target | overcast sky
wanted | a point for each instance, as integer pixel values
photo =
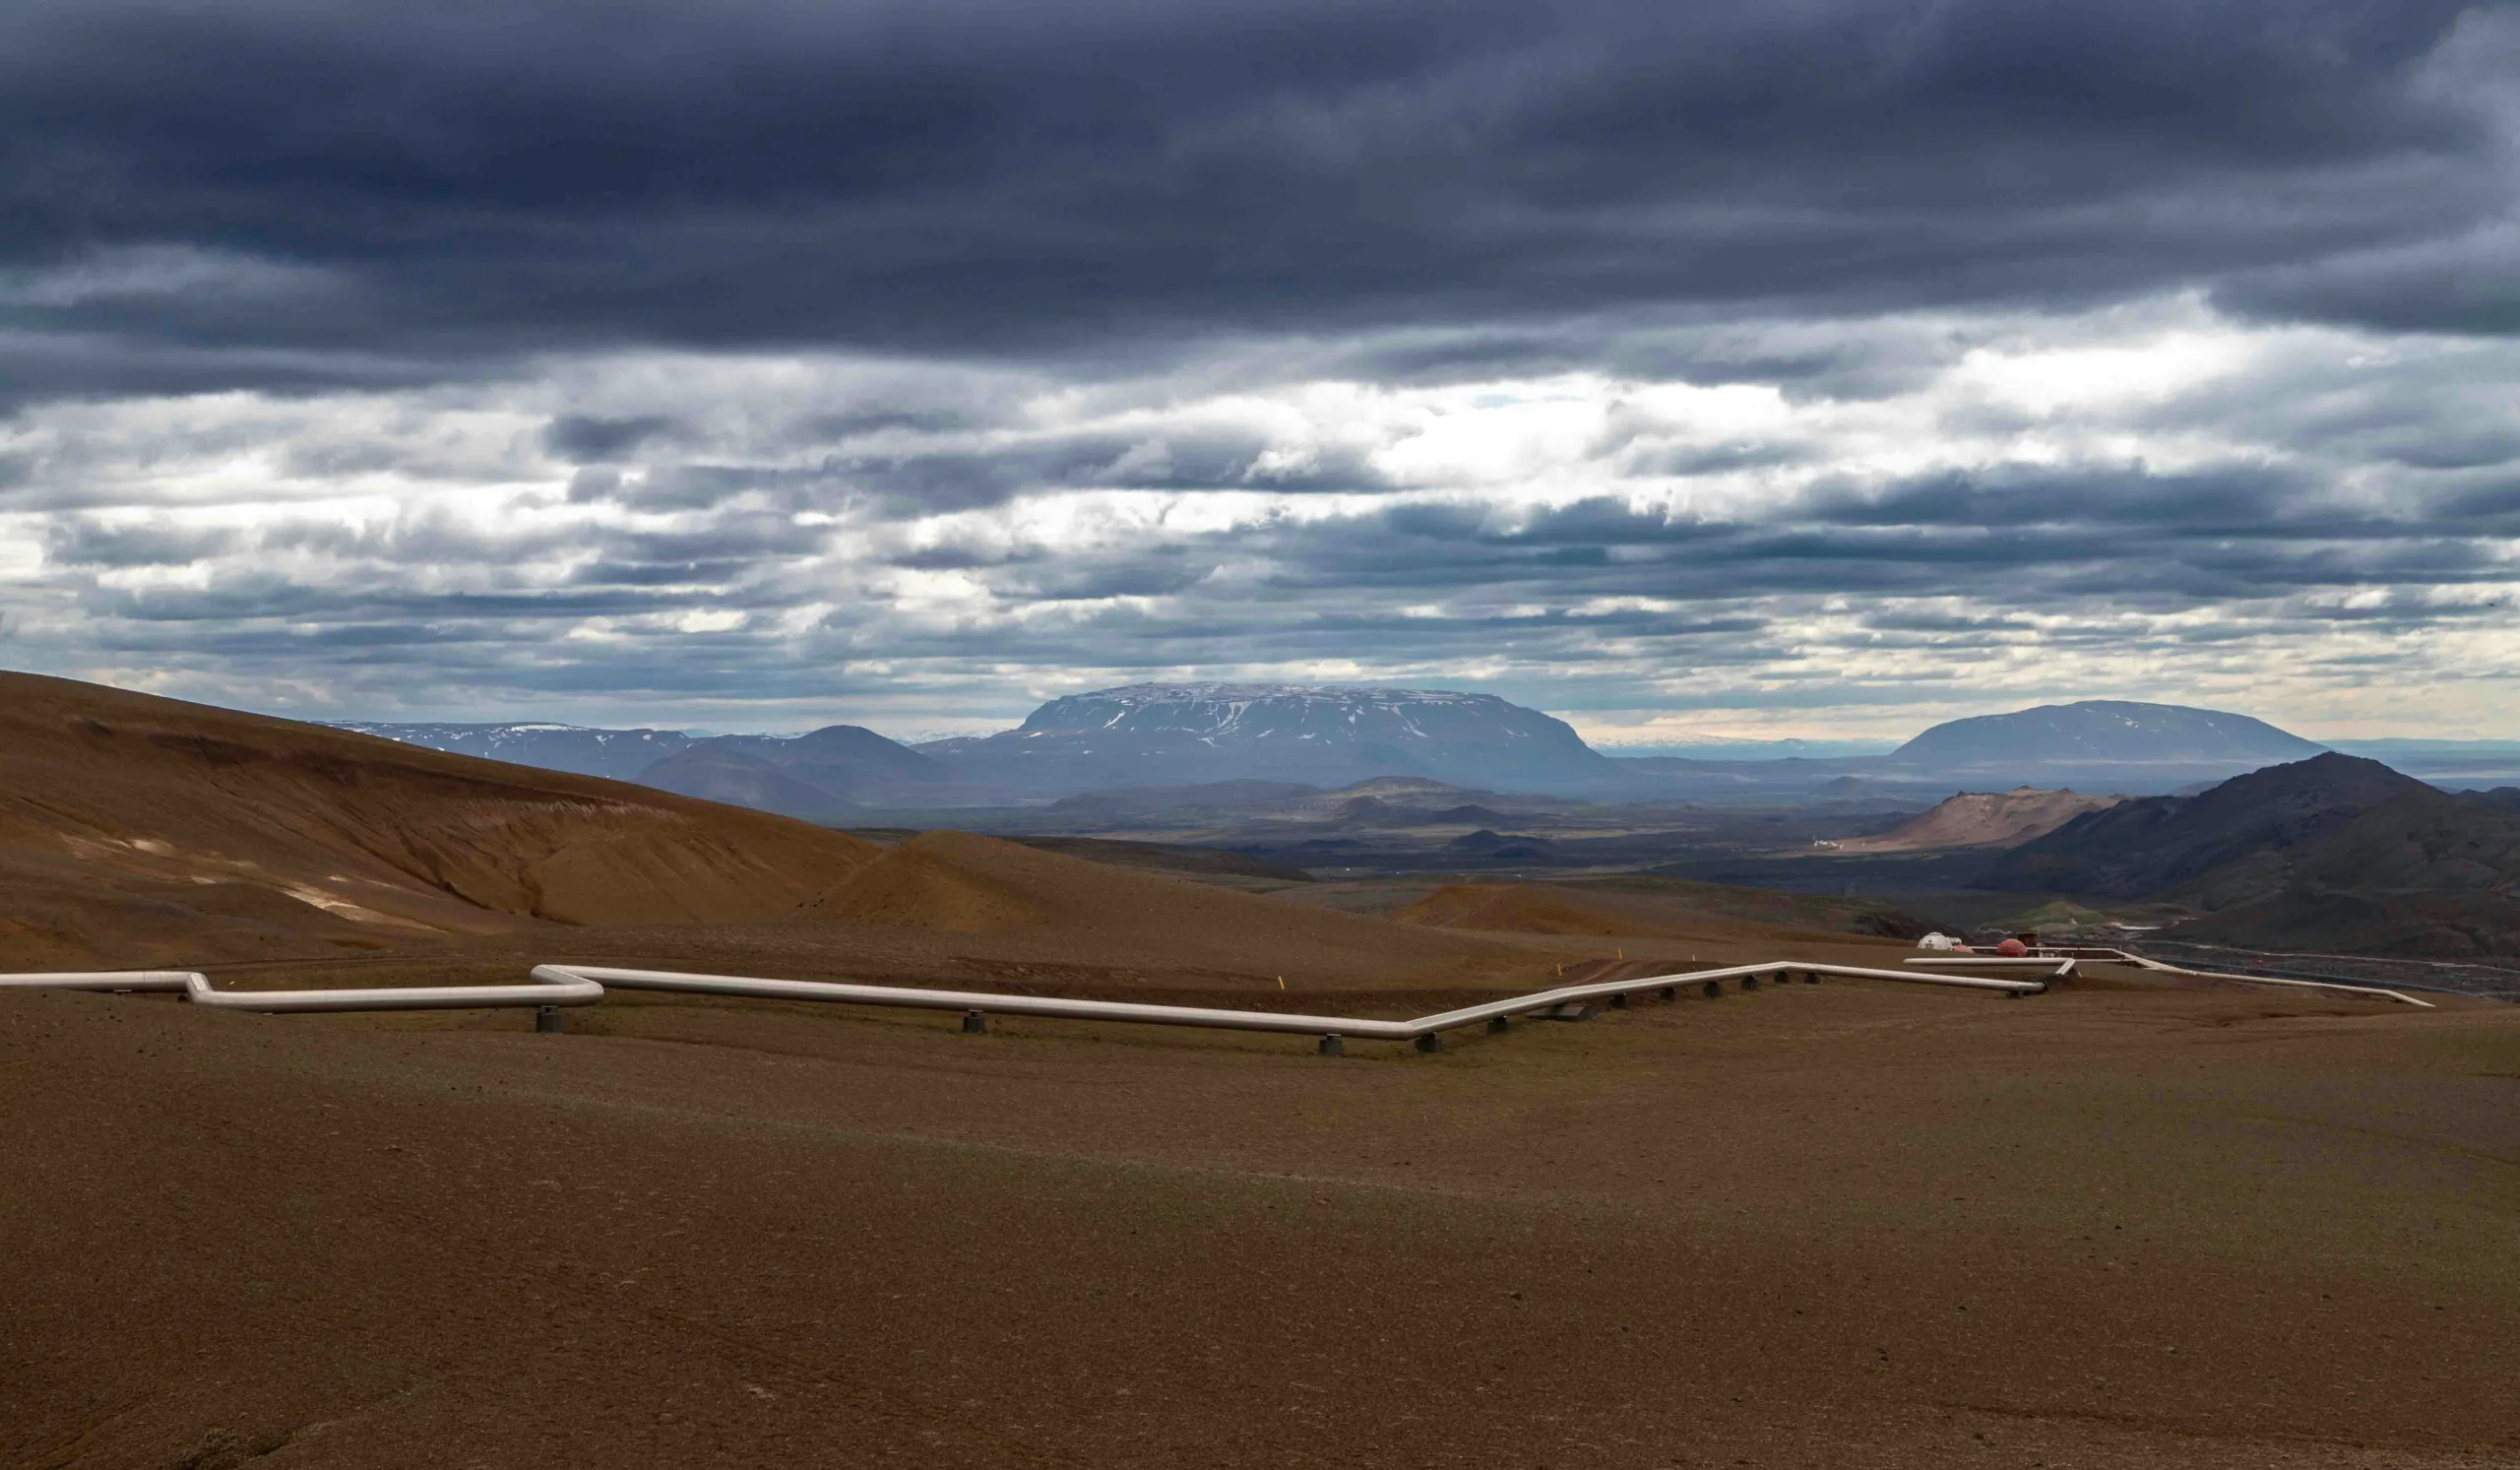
(1809, 367)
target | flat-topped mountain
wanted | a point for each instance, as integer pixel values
(1323, 735)
(2105, 731)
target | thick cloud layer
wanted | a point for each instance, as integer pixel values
(259, 180)
(771, 362)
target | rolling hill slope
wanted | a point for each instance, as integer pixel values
(2332, 853)
(1006, 897)
(135, 829)
(2161, 843)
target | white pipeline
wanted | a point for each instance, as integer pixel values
(585, 985)
(2122, 957)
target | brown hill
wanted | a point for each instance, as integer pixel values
(920, 884)
(136, 830)
(1526, 908)
(1025, 902)
(1983, 819)
(1648, 906)
(1208, 864)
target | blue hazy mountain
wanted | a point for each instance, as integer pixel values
(1320, 735)
(2106, 731)
(828, 775)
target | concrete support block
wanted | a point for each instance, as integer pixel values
(546, 1020)
(1749, 982)
(974, 1023)
(1619, 1002)
(1430, 1041)
(1810, 977)
(1712, 989)
(1667, 993)
(1332, 1046)
(1499, 1025)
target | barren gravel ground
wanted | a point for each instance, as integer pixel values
(1833, 1225)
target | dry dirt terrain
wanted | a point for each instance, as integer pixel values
(1847, 1224)
(1840, 1224)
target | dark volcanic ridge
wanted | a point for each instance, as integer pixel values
(2331, 853)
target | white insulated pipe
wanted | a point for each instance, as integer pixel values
(585, 985)
(2122, 957)
(196, 987)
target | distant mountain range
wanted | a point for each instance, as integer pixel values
(831, 775)
(2277, 841)
(1148, 737)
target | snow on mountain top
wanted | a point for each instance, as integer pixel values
(1202, 694)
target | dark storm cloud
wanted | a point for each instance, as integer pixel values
(2467, 283)
(587, 439)
(2025, 541)
(86, 544)
(268, 193)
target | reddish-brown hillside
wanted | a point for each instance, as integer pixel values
(1019, 898)
(135, 829)
(1647, 906)
(1983, 819)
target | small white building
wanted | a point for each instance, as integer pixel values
(1940, 941)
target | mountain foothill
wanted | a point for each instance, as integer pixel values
(2333, 852)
